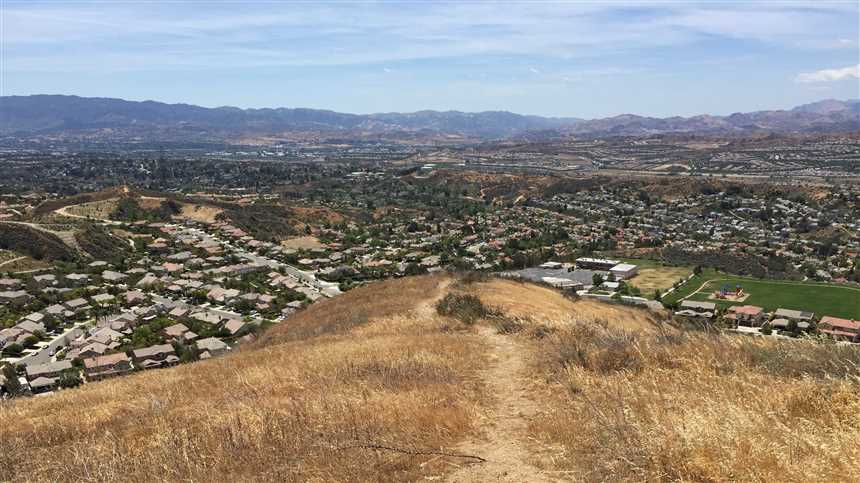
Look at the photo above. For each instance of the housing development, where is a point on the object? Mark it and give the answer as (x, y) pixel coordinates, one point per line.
(128, 279)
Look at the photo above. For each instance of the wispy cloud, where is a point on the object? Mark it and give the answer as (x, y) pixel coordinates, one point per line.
(126, 36)
(830, 75)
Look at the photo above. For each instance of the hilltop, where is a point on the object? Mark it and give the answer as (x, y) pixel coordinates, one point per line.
(514, 382)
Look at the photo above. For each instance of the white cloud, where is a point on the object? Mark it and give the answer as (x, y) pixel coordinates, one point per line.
(119, 36)
(830, 75)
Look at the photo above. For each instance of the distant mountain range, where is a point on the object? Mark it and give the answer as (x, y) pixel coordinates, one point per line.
(28, 116)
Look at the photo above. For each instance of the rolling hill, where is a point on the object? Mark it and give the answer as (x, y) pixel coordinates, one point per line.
(377, 385)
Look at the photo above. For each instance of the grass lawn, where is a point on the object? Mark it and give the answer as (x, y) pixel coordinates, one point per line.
(823, 299)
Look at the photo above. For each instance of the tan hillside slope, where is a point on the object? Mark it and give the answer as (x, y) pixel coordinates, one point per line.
(443, 379)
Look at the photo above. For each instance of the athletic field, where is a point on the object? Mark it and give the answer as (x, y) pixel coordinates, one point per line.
(823, 299)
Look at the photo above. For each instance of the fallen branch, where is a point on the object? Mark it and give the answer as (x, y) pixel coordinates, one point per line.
(408, 451)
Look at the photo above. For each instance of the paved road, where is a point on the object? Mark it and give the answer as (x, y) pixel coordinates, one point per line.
(325, 288)
(61, 340)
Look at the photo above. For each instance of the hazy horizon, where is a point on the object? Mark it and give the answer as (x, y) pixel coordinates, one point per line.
(571, 116)
(558, 59)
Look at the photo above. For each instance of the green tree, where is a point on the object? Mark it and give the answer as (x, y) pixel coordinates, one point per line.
(13, 386)
(69, 378)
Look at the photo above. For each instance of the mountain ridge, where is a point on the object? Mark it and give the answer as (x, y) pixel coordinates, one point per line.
(61, 114)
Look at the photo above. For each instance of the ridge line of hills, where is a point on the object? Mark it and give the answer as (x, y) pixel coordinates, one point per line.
(34, 115)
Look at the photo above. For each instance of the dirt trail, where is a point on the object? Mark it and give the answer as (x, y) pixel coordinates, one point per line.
(427, 308)
(504, 443)
(9, 262)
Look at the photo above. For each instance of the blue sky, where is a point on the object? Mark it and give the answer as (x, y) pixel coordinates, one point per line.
(557, 58)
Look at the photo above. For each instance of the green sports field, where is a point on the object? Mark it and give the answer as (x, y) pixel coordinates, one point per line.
(823, 299)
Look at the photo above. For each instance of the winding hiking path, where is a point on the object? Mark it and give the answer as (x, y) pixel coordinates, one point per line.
(504, 442)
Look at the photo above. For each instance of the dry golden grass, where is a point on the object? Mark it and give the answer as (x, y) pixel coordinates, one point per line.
(302, 243)
(100, 210)
(583, 391)
(316, 215)
(6, 255)
(201, 213)
(696, 408)
(23, 264)
(287, 411)
(658, 278)
(549, 307)
(150, 202)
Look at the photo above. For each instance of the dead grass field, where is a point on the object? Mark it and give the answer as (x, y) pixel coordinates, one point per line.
(549, 307)
(304, 405)
(316, 215)
(23, 264)
(201, 213)
(576, 391)
(100, 210)
(150, 202)
(6, 255)
(658, 278)
(634, 407)
(302, 243)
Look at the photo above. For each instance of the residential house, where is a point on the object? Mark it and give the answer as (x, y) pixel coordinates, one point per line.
(30, 327)
(842, 329)
(77, 279)
(92, 349)
(44, 377)
(9, 283)
(78, 305)
(795, 315)
(134, 297)
(45, 280)
(697, 310)
(14, 297)
(746, 314)
(113, 277)
(175, 331)
(103, 367)
(155, 356)
(207, 317)
(211, 347)
(103, 298)
(12, 336)
(233, 326)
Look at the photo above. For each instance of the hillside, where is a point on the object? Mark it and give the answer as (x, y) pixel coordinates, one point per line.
(514, 383)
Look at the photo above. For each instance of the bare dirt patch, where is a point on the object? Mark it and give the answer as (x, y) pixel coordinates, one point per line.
(99, 210)
(201, 213)
(505, 443)
(658, 278)
(313, 215)
(302, 243)
(150, 202)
